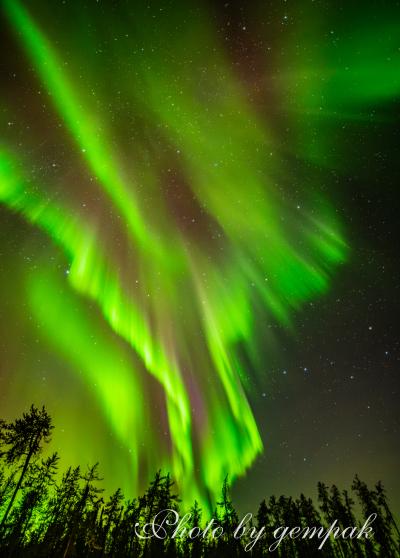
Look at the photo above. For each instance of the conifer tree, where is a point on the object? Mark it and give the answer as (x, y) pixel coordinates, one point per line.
(22, 440)
(69, 518)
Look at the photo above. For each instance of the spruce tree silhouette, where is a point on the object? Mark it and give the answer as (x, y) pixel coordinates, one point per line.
(88, 495)
(50, 517)
(40, 480)
(23, 440)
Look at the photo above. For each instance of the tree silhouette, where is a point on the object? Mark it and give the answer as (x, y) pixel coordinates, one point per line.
(23, 440)
(46, 516)
(193, 547)
(59, 510)
(41, 478)
(111, 517)
(89, 495)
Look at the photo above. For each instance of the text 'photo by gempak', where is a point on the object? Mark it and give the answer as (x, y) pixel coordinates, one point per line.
(200, 279)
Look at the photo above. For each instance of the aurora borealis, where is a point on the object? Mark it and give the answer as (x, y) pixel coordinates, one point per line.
(173, 181)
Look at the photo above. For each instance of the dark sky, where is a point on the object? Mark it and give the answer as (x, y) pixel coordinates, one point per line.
(334, 407)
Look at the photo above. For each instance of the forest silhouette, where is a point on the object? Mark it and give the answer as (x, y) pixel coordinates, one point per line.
(46, 514)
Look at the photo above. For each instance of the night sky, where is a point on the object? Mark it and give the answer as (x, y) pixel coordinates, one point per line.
(199, 232)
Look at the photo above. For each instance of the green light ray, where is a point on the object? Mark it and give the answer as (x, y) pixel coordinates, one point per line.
(184, 299)
(95, 355)
(86, 275)
(87, 130)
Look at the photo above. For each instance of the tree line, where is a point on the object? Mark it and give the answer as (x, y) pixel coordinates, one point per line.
(45, 514)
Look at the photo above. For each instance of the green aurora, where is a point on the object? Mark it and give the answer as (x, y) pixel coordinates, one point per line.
(175, 227)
